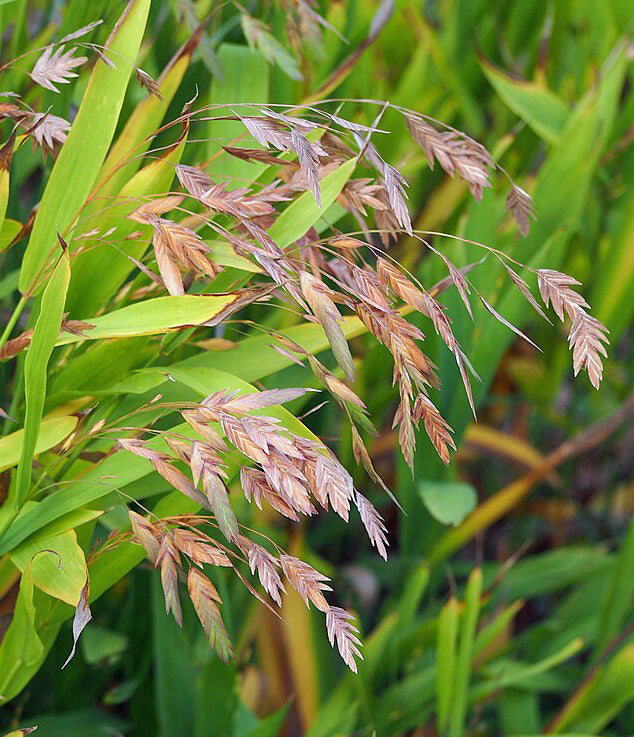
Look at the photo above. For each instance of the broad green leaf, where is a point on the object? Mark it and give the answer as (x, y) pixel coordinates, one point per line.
(271, 725)
(61, 574)
(225, 255)
(62, 524)
(218, 706)
(555, 570)
(493, 629)
(9, 283)
(51, 432)
(110, 475)
(518, 710)
(21, 646)
(448, 501)
(153, 316)
(252, 359)
(122, 692)
(304, 212)
(542, 109)
(99, 366)
(78, 723)
(83, 153)
(511, 674)
(245, 79)
(36, 368)
(417, 583)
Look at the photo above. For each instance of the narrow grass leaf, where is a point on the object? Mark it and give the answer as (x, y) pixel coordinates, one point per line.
(446, 656)
(469, 621)
(45, 335)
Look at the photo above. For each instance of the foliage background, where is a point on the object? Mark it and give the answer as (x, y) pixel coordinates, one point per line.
(547, 87)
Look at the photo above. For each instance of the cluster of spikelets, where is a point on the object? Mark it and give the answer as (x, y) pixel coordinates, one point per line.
(291, 473)
(322, 278)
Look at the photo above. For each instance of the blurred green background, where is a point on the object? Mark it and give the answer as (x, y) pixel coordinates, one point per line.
(505, 607)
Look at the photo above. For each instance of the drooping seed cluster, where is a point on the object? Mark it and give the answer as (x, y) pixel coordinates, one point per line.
(291, 473)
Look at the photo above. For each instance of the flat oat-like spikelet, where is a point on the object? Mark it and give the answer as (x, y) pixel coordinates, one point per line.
(436, 427)
(175, 245)
(48, 131)
(340, 629)
(216, 493)
(195, 546)
(395, 185)
(329, 480)
(587, 334)
(556, 288)
(148, 83)
(203, 596)
(454, 151)
(373, 524)
(262, 562)
(272, 130)
(586, 339)
(56, 66)
(195, 181)
(318, 296)
(169, 559)
(521, 206)
(145, 534)
(308, 582)
(255, 486)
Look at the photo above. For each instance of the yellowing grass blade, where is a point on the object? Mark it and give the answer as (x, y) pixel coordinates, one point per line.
(52, 431)
(62, 573)
(153, 316)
